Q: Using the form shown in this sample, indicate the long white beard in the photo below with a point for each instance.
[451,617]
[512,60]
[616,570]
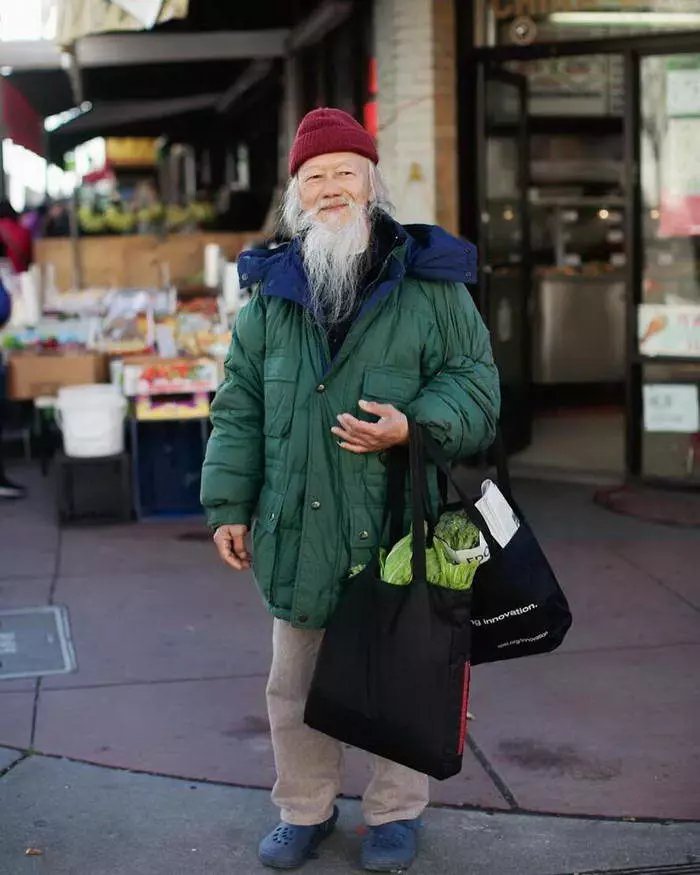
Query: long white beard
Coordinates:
[334,258]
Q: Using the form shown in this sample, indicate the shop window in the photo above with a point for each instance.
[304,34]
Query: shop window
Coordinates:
[522,22]
[671,423]
[668,318]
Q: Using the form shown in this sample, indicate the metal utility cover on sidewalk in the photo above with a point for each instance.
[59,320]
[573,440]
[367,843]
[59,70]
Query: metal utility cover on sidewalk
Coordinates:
[35,642]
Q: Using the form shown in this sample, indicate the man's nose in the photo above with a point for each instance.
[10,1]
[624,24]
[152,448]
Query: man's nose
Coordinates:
[331,188]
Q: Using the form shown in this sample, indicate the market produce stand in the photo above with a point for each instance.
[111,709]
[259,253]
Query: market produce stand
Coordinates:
[133,261]
[163,344]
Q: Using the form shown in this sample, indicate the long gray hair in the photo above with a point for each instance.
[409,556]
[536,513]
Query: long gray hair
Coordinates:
[334,257]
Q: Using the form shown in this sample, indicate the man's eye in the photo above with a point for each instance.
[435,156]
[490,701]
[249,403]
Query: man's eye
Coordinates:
[346,173]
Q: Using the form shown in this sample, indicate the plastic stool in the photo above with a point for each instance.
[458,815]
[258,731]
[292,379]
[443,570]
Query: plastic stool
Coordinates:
[93,491]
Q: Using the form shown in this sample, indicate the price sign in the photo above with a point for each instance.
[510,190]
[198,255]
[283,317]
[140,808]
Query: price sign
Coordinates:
[671,408]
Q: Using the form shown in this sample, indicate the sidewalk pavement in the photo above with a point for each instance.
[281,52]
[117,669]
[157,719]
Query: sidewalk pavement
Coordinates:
[88,820]
[173,650]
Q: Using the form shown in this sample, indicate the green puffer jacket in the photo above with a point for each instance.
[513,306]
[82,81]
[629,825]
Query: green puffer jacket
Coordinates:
[419,343]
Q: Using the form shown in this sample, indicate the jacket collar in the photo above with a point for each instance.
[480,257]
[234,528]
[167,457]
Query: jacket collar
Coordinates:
[422,251]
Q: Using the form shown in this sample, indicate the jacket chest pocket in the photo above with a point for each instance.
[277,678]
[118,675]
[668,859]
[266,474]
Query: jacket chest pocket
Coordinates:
[390,386]
[280,380]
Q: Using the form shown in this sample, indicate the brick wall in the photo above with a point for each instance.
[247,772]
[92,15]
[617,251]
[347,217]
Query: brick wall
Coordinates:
[445,100]
[404,51]
[414,45]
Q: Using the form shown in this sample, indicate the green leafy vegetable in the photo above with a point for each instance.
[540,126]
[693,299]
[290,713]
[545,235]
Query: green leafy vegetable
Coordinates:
[453,532]
[457,530]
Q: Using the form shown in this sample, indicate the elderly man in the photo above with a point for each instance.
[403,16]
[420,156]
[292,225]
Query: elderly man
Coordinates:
[353,326]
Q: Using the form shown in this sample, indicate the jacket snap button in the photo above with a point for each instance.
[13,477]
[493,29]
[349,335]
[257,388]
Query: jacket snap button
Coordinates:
[303,619]
[364,536]
[244,276]
[320,388]
[315,505]
[271,517]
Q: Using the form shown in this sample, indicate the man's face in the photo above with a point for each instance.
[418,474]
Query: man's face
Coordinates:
[331,186]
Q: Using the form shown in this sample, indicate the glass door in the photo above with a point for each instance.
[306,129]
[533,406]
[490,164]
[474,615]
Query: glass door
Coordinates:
[503,228]
[664,329]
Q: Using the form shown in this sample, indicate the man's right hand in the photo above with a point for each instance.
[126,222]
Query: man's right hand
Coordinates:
[230,542]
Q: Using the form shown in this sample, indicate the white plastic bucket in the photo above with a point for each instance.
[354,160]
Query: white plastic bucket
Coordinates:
[91,390]
[92,422]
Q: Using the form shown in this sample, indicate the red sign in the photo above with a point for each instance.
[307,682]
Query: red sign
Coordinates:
[680,215]
[20,122]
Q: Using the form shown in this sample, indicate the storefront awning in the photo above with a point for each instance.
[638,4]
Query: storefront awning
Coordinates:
[19,121]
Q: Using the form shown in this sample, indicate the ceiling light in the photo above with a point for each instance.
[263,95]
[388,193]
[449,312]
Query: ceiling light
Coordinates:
[645,19]
[53,122]
[5,70]
[603,214]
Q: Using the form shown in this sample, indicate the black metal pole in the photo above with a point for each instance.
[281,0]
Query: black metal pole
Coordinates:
[466,120]
[634,413]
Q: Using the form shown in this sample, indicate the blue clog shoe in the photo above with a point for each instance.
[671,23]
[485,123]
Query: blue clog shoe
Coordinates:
[289,846]
[391,847]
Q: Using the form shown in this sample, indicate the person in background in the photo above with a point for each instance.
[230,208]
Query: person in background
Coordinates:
[57,220]
[8,489]
[33,220]
[16,239]
[355,325]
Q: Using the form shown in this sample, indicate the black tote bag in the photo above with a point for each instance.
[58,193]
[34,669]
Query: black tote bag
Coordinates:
[518,607]
[392,675]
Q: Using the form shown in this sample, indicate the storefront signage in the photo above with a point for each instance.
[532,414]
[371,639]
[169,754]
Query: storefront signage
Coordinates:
[513,8]
[680,182]
[671,408]
[669,330]
[131,151]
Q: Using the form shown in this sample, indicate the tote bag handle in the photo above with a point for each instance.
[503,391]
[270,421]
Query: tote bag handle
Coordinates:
[436,454]
[401,461]
[502,471]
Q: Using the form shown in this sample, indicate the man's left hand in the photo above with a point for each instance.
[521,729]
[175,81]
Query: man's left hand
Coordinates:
[357,436]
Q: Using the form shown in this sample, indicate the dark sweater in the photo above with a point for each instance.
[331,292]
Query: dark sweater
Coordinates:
[382,241]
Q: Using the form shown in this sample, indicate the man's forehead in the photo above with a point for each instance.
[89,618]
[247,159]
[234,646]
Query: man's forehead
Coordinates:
[332,161]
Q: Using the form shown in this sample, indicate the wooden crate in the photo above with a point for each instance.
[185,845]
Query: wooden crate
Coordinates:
[134,261]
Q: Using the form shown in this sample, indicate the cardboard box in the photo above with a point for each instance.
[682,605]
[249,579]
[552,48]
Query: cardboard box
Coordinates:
[33,374]
[143,376]
[151,408]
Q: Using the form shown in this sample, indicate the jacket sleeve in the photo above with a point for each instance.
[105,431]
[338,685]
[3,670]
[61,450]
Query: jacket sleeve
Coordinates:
[460,403]
[233,466]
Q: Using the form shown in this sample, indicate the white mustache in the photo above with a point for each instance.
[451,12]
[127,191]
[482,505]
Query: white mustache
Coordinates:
[333,202]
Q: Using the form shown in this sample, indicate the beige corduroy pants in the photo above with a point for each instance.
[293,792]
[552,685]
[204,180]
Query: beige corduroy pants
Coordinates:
[309,763]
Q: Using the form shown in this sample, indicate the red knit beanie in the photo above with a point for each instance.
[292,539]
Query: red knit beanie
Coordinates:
[323,131]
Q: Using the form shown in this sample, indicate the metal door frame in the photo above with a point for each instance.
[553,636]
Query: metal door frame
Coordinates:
[485,73]
[470,94]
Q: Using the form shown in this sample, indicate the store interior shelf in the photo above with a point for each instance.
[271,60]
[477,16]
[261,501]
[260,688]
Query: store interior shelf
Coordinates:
[668,360]
[560,125]
[572,201]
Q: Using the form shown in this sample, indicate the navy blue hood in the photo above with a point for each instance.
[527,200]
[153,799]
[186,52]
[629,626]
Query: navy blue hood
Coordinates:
[433,254]
[424,252]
